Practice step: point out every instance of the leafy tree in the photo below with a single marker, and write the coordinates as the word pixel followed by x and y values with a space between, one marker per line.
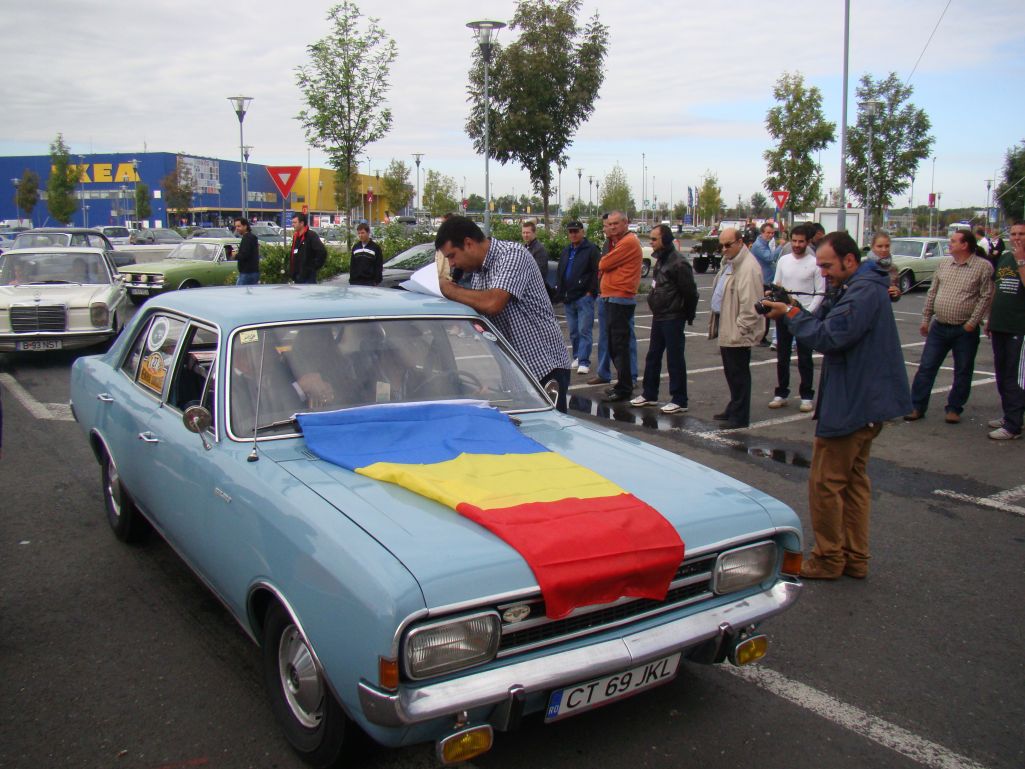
pixel 615 194
pixel 178 187
pixel 440 193
pixel 799 128
pixel 344 88
pixel 709 202
pixel 27 195
pixel 60 189
pixel 758 203
pixel 395 182
pixel 1011 190
pixel 680 211
pixel 543 87
pixel 143 209
pixel 475 202
pixel 346 190
pixel 900 141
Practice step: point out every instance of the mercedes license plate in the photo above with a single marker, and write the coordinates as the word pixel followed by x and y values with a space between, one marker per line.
pixel 577 699
pixel 39 344
pixel 139 291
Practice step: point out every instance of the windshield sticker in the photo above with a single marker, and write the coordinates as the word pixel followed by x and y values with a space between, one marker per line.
pixel 158 334
pixel 248 337
pixel 478 327
pixel 152 372
pixel 489 336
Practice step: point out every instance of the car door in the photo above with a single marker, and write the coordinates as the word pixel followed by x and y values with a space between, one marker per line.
pixel 932 253
pixel 223 268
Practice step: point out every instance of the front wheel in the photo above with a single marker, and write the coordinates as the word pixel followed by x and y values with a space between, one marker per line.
pixel 907 282
pixel 124 517
pixel 313 721
pixel 645 268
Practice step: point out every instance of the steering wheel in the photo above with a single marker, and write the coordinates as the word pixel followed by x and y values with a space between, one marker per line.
pixel 460 381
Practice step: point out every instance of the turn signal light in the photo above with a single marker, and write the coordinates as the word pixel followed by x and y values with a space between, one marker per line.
pixel 465 744
pixel 791 563
pixel 750 650
pixel 388 673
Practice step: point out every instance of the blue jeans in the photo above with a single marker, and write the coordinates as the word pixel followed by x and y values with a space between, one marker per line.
pixel 248 279
pixel 604 359
pixel 667 337
pixel 580 320
pixel 944 338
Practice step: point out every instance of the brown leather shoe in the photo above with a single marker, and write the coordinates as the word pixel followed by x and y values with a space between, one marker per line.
pixel 914 416
pixel 952 418
pixel 857 571
pixel 597 380
pixel 813 568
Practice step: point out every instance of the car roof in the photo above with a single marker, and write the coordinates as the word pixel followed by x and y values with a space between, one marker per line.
pixel 66 230
pixel 920 239
pixel 55 249
pixel 232 306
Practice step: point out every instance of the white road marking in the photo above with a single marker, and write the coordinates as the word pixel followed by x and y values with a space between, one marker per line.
pixel 878 730
pixel 994 502
pixel 56 411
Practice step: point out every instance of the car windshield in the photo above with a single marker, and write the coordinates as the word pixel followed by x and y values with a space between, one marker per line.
pixel 412 258
pixel 166 236
pixel 115 232
pixel 905 248
pixel 289 368
pixel 42 239
pixel 53 268
pixel 205 252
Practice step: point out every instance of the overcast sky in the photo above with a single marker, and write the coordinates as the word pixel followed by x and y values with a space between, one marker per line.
pixel 687 84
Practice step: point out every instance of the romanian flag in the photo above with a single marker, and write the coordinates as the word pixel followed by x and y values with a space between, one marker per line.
pixel 586 540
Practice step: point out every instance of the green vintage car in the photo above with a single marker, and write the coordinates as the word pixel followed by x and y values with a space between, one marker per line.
pixel 916 259
pixel 194 263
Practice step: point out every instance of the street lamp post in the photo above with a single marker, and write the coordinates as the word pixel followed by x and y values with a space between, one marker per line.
pixel 246 151
pixel 580 176
pixel 17 207
pixel 590 190
pixel 417 157
pixel 135 190
pixel 597 192
pixel 989 186
pixel 485 32
pixel 241 104
pixel 932 195
pixel 871 108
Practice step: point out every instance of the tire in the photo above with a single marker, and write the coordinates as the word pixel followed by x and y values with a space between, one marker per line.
pixel 188 284
pixel 701 264
pixel 313 722
pixel 125 520
pixel 906 282
pixel 645 268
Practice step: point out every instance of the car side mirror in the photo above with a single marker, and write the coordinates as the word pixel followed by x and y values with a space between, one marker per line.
pixel 198 420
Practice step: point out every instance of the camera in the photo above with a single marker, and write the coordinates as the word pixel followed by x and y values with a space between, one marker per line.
pixel 773 293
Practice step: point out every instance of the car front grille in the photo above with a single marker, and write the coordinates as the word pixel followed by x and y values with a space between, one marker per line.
pixel 42 317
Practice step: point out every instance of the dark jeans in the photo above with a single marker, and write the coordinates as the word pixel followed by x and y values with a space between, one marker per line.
pixel 618 317
pixel 248 279
pixel 667 336
pixel 944 338
pixel 805 367
pixel 736 363
pixel 561 376
pixel 1008 351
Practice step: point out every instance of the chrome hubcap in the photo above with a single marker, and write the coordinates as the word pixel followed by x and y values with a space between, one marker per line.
pixel 300 679
pixel 113 487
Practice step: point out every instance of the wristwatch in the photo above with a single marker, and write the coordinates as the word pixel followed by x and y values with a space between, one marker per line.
pixel 1021 262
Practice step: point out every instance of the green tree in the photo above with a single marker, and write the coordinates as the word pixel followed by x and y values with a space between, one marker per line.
pixel 178 187
pixel 474 202
pixel 395 182
pixel 344 87
pixel 143 208
pixel 680 210
pixel 440 193
pixel 346 190
pixel 709 202
pixel 900 141
pixel 799 128
pixel 543 87
pixel 60 189
pixel 27 195
pixel 1010 192
pixel 616 194
pixel 758 204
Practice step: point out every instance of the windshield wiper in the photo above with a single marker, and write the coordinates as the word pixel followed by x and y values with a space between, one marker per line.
pixel 280 423
pixel 54 282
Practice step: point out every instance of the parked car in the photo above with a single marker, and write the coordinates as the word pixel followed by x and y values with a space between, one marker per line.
pixel 116 234
pixel 267 234
pixel 916 259
pixel 156 236
pixel 59 298
pixel 76 237
pixel 377 606
pixel 194 263
pixel 212 232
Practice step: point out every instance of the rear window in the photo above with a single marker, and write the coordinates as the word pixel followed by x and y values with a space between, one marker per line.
pixel 115 232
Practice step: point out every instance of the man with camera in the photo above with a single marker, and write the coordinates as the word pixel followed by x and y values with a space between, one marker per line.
pixel 863 384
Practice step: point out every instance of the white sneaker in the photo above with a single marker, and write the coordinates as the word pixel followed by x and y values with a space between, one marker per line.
pixel 640 400
pixel 777 403
pixel 996 422
pixel 772 346
pixel 583 369
pixel 807 405
pixel 575 363
pixel 1003 434
pixel 673 408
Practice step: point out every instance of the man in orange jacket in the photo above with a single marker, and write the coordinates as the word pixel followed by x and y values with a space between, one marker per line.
pixel 620 271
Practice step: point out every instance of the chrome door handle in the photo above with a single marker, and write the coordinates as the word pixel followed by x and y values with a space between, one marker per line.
pixel 105 398
pixel 149 437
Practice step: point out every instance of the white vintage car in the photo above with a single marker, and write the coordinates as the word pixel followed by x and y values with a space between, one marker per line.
pixel 56 298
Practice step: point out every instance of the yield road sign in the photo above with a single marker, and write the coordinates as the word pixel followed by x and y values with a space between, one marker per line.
pixel 284 177
pixel 781 197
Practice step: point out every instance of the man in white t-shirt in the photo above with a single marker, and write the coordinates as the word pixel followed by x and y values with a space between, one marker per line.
pixel 799 275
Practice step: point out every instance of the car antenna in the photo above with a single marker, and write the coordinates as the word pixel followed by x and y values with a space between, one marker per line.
pixel 254 455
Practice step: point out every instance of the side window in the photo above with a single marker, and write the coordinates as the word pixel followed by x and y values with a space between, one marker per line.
pixel 97 242
pixel 131 364
pixel 930 250
pixel 79 240
pixel 159 343
pixel 193 381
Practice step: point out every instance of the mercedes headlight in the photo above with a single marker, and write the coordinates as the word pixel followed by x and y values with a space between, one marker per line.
pixel 99 315
pixel 744 567
pixel 442 647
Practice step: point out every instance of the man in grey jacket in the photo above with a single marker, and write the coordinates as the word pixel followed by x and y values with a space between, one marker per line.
pixel 863 384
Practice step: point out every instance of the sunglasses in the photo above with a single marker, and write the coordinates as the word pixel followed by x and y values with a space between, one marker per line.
pixel 728 245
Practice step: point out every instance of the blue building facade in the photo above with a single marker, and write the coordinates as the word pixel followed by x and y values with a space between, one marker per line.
pixel 107 184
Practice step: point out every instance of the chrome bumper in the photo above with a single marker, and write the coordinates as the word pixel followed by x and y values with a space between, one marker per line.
pixel 498 686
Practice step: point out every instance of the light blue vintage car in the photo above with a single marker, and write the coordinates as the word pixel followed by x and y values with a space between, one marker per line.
pixel 376 607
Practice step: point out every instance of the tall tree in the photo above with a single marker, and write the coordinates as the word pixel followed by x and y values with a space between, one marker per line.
pixel 615 194
pixel 900 141
pixel 758 203
pixel 474 202
pixel 439 193
pixel 28 192
pixel 178 187
pixel 60 188
pixel 799 128
pixel 397 188
pixel 1010 193
pixel 543 87
pixel 709 203
pixel 143 208
pixel 344 87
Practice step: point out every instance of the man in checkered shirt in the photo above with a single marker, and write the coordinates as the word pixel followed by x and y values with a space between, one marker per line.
pixel 507 287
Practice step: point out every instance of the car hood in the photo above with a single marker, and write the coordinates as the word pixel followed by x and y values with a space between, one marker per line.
pixel 165 265
pixel 53 293
pixel 456 560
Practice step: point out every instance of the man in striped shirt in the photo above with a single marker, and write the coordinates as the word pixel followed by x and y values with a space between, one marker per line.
pixel 958 300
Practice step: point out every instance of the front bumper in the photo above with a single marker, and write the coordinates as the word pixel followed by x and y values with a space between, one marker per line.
pixel 499 686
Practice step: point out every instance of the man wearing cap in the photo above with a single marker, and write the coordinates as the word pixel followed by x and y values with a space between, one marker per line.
pixel 576 286
pixel 620 278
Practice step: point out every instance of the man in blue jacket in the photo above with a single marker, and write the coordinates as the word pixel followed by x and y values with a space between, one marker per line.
pixel 863 384
pixel 577 286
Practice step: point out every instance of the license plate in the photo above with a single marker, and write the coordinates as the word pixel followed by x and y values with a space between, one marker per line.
pixel 39 344
pixel 139 291
pixel 576 699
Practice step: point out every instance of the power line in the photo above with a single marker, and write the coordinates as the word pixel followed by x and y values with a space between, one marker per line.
pixel 914 68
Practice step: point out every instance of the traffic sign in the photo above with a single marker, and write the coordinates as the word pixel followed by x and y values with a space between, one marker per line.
pixel 781 197
pixel 370 195
pixel 284 177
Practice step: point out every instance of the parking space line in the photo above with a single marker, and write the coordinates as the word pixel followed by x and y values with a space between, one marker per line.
pixel 994 502
pixel 55 411
pixel 878 730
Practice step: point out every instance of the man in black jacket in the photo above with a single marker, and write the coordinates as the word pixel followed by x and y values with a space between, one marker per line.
pixel 308 252
pixel 248 256
pixel 366 267
pixel 673 301
pixel 577 286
